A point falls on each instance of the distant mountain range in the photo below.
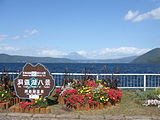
(75, 56)
(120, 60)
(5, 58)
(152, 56)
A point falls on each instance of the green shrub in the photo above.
(158, 90)
(145, 95)
(4, 95)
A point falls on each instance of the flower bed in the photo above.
(36, 106)
(156, 100)
(150, 97)
(88, 95)
(4, 95)
(87, 106)
(13, 101)
(153, 103)
(6, 100)
(4, 105)
(19, 109)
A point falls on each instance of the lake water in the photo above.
(97, 68)
(89, 67)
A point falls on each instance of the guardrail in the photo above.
(125, 81)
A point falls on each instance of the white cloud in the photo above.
(31, 32)
(153, 14)
(19, 37)
(122, 51)
(106, 53)
(130, 15)
(51, 53)
(82, 52)
(28, 33)
(111, 53)
(2, 37)
(16, 37)
(4, 48)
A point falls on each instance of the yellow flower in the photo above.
(35, 101)
(44, 99)
(107, 99)
(87, 90)
(5, 91)
(106, 87)
(101, 98)
(2, 95)
(99, 80)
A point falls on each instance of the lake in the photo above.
(89, 67)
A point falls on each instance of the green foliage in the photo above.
(40, 103)
(4, 95)
(158, 91)
(52, 98)
(145, 95)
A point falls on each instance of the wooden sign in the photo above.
(34, 82)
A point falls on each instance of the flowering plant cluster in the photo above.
(37, 103)
(57, 92)
(4, 96)
(89, 92)
(153, 99)
(152, 103)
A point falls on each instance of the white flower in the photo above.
(152, 102)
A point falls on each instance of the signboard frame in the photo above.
(53, 87)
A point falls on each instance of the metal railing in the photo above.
(125, 81)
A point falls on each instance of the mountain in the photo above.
(120, 60)
(74, 56)
(152, 56)
(4, 58)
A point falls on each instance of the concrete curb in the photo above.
(19, 114)
(29, 116)
(44, 116)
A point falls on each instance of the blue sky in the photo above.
(93, 28)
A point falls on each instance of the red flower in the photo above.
(72, 97)
(42, 106)
(1, 101)
(91, 83)
(57, 92)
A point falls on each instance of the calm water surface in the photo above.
(90, 67)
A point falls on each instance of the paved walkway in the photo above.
(27, 116)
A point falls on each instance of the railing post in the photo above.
(144, 82)
(97, 77)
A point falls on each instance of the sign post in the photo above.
(34, 82)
